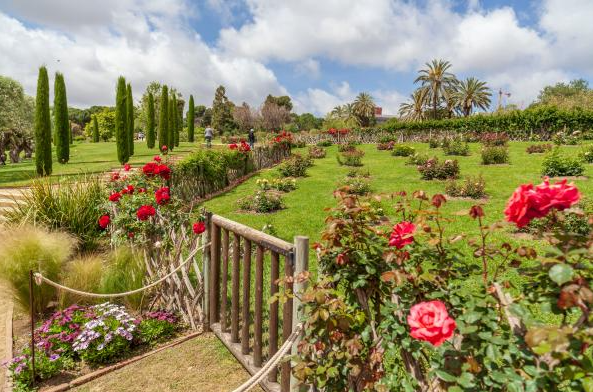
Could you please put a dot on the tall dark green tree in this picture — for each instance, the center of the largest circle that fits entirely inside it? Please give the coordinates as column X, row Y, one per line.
column 222, row 114
column 150, row 136
column 164, row 118
column 172, row 126
column 121, row 135
column 95, row 129
column 42, row 125
column 178, row 120
column 191, row 116
column 130, row 119
column 61, row 123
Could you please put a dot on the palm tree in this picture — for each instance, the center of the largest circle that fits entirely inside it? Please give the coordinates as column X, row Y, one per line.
column 337, row 112
column 364, row 108
column 436, row 79
column 472, row 93
column 349, row 114
column 413, row 110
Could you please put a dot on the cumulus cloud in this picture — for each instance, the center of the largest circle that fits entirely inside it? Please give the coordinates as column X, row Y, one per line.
column 143, row 41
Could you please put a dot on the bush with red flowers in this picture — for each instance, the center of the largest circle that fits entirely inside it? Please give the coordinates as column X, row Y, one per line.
column 145, row 212
column 162, row 196
column 414, row 306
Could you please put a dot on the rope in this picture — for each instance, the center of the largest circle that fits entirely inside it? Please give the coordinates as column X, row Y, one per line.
column 272, row 363
column 39, row 278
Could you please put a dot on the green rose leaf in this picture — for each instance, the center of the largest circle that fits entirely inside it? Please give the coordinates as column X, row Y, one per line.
column 561, row 273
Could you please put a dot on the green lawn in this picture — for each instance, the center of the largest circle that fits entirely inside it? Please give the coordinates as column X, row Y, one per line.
column 304, row 213
column 84, row 158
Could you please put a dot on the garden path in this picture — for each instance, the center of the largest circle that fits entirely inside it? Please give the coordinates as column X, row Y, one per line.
column 5, row 304
column 200, row 364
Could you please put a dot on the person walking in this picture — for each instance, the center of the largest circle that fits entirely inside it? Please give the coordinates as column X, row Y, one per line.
column 251, row 138
column 208, row 133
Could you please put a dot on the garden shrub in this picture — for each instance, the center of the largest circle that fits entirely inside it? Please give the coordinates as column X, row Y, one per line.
column 46, row 367
column 351, row 158
column 280, row 184
column 494, row 139
column 417, row 159
column 157, row 326
column 473, row 187
column 433, row 169
column 317, row 152
column 403, row 150
column 434, row 142
column 495, row 155
column 538, row 148
column 27, row 248
column 565, row 138
column 556, row 164
column 356, row 185
column 324, row 143
column 69, row 206
column 295, row 166
column 388, row 146
column 358, row 173
column 347, row 147
column 455, row 147
column 261, row 202
column 587, row 153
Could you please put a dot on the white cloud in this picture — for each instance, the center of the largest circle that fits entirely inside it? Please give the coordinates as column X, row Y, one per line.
column 309, row 68
column 144, row 42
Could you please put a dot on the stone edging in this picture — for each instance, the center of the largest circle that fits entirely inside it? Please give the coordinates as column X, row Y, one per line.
column 9, row 353
column 106, row 370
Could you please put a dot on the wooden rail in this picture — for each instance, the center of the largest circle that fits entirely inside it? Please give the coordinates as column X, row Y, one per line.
column 255, row 326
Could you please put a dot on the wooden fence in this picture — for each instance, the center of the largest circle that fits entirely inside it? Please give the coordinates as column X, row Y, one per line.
column 250, row 325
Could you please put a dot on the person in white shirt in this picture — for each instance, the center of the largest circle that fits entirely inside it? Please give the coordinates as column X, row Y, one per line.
column 208, row 133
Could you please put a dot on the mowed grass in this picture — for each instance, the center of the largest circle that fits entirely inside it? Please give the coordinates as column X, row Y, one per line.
column 84, row 158
column 305, row 210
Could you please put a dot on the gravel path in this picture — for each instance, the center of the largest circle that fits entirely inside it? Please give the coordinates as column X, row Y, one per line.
column 5, row 303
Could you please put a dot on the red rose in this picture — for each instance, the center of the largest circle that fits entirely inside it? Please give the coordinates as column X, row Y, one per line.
column 128, row 190
column 164, row 149
column 114, row 176
column 127, row 167
column 162, row 196
column 559, row 196
column 156, row 158
column 114, row 197
column 233, row 146
column 402, row 234
column 141, row 190
column 164, row 171
column 131, row 234
column 429, row 321
column 145, row 212
column 149, row 169
column 104, row 221
column 199, row 227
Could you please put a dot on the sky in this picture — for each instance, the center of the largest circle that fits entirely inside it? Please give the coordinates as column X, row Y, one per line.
column 320, row 52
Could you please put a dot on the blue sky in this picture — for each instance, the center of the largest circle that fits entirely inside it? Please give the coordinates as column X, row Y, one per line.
column 320, row 53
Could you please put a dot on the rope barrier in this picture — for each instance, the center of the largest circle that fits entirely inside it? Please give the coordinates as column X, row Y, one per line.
column 39, row 278
column 272, row 363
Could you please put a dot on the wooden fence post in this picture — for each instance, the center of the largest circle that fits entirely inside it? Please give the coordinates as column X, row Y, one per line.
column 206, row 272
column 301, row 264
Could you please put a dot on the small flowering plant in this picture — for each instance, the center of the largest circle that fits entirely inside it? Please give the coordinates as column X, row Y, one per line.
column 157, row 326
column 282, row 140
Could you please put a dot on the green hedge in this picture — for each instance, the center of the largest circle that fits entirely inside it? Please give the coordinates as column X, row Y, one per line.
column 539, row 121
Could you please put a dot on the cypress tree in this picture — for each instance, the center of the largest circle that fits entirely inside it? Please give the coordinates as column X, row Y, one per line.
column 179, row 120
column 191, row 115
column 150, row 136
column 42, row 125
column 163, row 118
column 121, row 136
column 172, row 123
column 95, row 129
column 61, row 123
column 130, row 119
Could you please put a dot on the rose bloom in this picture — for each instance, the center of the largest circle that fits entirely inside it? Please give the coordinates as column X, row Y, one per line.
column 199, row 227
column 127, row 167
column 559, row 196
column 145, row 212
column 402, row 234
column 114, row 176
column 114, row 197
column 429, row 321
column 162, row 195
column 128, row 190
column 233, row 146
column 149, row 169
column 104, row 221
column 156, row 158
column 164, row 171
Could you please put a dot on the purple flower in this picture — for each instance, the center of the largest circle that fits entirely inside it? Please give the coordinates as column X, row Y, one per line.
column 54, row 357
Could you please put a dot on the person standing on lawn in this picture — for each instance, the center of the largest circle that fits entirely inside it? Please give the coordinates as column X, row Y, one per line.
column 251, row 138
column 208, row 133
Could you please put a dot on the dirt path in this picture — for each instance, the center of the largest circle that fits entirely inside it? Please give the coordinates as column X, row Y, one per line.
column 5, row 303
column 201, row 364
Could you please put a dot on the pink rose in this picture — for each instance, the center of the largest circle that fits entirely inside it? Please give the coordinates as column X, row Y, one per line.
column 559, row 196
column 429, row 321
column 402, row 234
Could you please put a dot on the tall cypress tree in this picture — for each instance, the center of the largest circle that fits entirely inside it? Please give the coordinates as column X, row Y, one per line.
column 178, row 120
column 121, row 136
column 191, row 115
column 42, row 125
column 163, row 118
column 95, row 129
column 172, row 122
column 130, row 119
column 61, row 123
column 150, row 136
